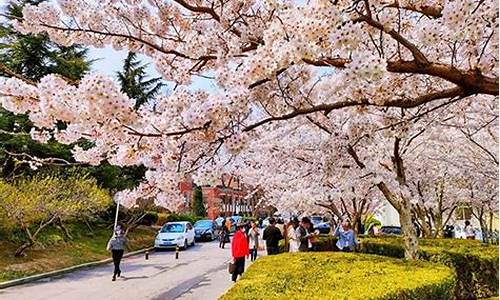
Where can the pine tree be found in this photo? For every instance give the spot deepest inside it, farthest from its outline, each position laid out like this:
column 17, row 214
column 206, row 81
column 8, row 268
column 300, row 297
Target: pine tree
column 31, row 57
column 34, row 56
column 198, row 205
column 134, row 82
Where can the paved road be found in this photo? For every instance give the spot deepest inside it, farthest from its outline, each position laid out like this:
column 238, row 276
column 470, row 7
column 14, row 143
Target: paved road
column 199, row 273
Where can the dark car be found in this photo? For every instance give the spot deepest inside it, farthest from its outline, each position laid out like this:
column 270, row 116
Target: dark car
column 320, row 224
column 205, row 230
column 390, row 230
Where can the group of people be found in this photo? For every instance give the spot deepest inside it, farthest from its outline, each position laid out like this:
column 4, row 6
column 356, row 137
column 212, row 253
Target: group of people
column 298, row 236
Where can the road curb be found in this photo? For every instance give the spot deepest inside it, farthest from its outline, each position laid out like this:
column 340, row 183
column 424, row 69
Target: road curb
column 10, row 283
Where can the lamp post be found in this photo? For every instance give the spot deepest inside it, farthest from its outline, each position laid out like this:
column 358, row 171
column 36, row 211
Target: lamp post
column 116, row 214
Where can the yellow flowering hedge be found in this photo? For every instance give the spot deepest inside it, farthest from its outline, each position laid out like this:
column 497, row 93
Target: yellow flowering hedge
column 339, row 276
column 475, row 263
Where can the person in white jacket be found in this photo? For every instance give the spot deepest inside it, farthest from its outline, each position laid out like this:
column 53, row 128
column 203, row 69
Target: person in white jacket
column 293, row 241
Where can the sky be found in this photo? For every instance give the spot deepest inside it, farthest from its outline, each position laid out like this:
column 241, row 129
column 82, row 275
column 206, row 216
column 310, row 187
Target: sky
column 108, row 61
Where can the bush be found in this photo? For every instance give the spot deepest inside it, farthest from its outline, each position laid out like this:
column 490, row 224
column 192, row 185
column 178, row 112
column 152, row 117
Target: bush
column 162, row 219
column 183, row 217
column 342, row 276
column 324, row 242
column 475, row 263
column 150, row 218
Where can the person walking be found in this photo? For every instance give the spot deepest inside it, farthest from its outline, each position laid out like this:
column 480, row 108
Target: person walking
column 346, row 237
column 117, row 244
column 253, row 241
column 293, row 241
column 272, row 235
column 303, row 234
column 224, row 235
column 469, row 231
column 239, row 250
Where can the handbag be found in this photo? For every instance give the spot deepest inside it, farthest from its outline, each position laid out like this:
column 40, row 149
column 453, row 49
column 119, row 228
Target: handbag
column 232, row 267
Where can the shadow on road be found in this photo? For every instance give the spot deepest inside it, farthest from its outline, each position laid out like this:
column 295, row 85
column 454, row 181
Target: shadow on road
column 124, row 278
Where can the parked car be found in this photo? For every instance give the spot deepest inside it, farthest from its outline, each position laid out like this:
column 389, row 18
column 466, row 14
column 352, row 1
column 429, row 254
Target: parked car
column 320, row 224
column 174, row 234
column 205, row 230
column 390, row 230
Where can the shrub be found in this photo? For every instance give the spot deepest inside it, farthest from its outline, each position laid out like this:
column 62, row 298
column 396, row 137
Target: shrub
column 35, row 203
column 183, row 217
column 150, row 218
column 162, row 219
column 342, row 276
column 323, row 243
column 475, row 263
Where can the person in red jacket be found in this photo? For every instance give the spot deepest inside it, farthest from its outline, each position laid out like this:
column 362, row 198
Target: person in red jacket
column 239, row 250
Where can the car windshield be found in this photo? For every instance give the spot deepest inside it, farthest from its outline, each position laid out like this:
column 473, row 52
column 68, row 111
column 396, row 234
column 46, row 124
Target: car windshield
column 173, row 228
column 203, row 224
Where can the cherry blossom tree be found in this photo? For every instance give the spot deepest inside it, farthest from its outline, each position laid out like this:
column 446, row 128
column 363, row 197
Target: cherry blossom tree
column 349, row 68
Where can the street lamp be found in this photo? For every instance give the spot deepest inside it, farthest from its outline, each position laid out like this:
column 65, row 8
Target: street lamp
column 116, row 214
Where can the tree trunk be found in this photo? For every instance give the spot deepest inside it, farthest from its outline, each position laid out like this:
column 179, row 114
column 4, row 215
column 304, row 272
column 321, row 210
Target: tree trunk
column 439, row 225
column 88, row 225
column 490, row 229
column 420, row 216
column 63, row 228
column 484, row 230
column 409, row 233
column 20, row 251
column 426, row 229
column 31, row 241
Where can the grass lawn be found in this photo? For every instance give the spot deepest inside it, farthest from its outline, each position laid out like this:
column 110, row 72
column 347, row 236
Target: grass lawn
column 55, row 253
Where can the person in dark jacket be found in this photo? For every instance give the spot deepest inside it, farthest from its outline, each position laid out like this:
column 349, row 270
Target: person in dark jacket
column 303, row 234
column 117, row 244
column 239, row 250
column 272, row 235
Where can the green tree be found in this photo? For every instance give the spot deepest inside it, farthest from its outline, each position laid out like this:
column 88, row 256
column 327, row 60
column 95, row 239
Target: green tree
column 135, row 83
column 34, row 56
column 31, row 57
column 198, row 205
column 33, row 204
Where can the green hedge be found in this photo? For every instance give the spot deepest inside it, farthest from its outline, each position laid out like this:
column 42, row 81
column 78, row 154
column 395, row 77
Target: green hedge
column 350, row 276
column 183, row 217
column 475, row 263
column 324, row 242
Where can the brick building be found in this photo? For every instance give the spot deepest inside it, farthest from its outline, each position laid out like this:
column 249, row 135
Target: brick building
column 226, row 199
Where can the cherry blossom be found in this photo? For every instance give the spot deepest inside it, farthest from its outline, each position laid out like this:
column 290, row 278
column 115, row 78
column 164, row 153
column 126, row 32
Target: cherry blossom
column 313, row 99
